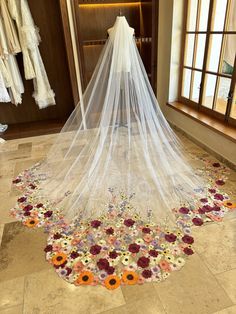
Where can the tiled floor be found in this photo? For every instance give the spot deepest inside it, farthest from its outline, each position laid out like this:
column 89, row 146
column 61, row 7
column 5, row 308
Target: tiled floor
column 29, row 285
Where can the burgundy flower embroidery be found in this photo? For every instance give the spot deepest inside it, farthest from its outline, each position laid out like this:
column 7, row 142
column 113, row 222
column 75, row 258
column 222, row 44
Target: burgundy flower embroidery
column 184, row 210
column 146, row 230
column 216, row 208
column 188, row 251
column 39, row 205
column 16, row 181
column 28, row 208
column 57, row 236
column 204, row 200
column 218, row 197
column 22, row 199
column 110, row 231
column 48, row 248
column 220, row 182
column 201, row 210
column 134, row 248
column 212, row 191
column 113, row 255
column 207, row 208
column 103, row 264
column 170, row 237
column 187, row 239
column 110, row 270
column 129, row 222
column 48, row 214
column 147, row 273
column 96, row 223
column 216, row 164
column 143, row 262
column 74, row 255
column 68, row 271
column 27, row 213
column 153, row 253
column 95, row 249
column 197, row 221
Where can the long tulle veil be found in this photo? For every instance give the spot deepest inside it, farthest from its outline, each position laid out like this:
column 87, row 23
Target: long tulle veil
column 116, row 191
column 123, row 142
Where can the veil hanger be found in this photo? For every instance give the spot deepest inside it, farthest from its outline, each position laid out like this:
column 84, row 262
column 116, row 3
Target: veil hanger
column 120, row 14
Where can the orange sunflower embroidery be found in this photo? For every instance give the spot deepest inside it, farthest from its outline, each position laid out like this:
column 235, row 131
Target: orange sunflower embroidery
column 59, row 259
column 31, row 223
column 229, row 204
column 112, row 282
column 130, row 277
column 85, row 278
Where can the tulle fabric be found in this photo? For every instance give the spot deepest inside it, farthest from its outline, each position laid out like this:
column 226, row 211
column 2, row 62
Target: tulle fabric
column 123, row 143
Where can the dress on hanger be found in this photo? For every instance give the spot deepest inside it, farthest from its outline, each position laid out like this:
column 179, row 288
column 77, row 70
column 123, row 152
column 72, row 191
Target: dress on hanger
column 9, row 28
column 9, row 69
column 33, row 64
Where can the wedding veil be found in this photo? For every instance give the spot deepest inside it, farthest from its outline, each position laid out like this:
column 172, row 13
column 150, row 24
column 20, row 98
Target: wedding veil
column 120, row 142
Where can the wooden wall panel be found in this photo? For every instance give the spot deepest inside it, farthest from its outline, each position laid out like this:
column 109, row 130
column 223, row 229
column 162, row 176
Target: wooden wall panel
column 94, row 17
column 94, row 20
column 47, row 17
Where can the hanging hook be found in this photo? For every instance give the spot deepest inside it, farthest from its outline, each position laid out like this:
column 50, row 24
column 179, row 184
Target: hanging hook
column 121, row 13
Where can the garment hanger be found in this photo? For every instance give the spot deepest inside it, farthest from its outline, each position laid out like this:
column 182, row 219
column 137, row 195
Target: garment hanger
column 120, row 14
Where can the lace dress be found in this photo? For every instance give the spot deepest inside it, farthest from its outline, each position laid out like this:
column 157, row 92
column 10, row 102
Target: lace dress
column 11, row 77
column 33, row 64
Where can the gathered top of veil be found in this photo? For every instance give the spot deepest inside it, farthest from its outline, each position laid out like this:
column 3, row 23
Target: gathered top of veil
column 122, row 143
column 121, row 35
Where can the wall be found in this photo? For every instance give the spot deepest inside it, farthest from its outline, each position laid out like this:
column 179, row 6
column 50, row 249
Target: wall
column 169, row 44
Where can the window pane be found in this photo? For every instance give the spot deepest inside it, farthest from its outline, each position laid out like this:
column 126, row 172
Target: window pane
column 214, row 54
column 192, row 15
column 222, row 94
column 219, row 15
column 189, row 49
column 209, row 91
column 200, row 51
column 227, row 63
column 186, row 83
column 233, row 108
column 232, row 16
column 197, row 77
column 204, row 15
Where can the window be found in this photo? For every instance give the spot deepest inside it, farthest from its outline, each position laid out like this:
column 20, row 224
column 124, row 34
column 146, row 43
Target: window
column 208, row 76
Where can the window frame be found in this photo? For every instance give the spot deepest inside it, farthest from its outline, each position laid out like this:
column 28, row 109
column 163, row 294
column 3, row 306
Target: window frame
column 208, row 32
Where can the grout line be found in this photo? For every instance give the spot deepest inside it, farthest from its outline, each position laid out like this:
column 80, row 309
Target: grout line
column 10, row 307
column 23, row 305
column 114, row 308
column 225, row 271
column 203, row 261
